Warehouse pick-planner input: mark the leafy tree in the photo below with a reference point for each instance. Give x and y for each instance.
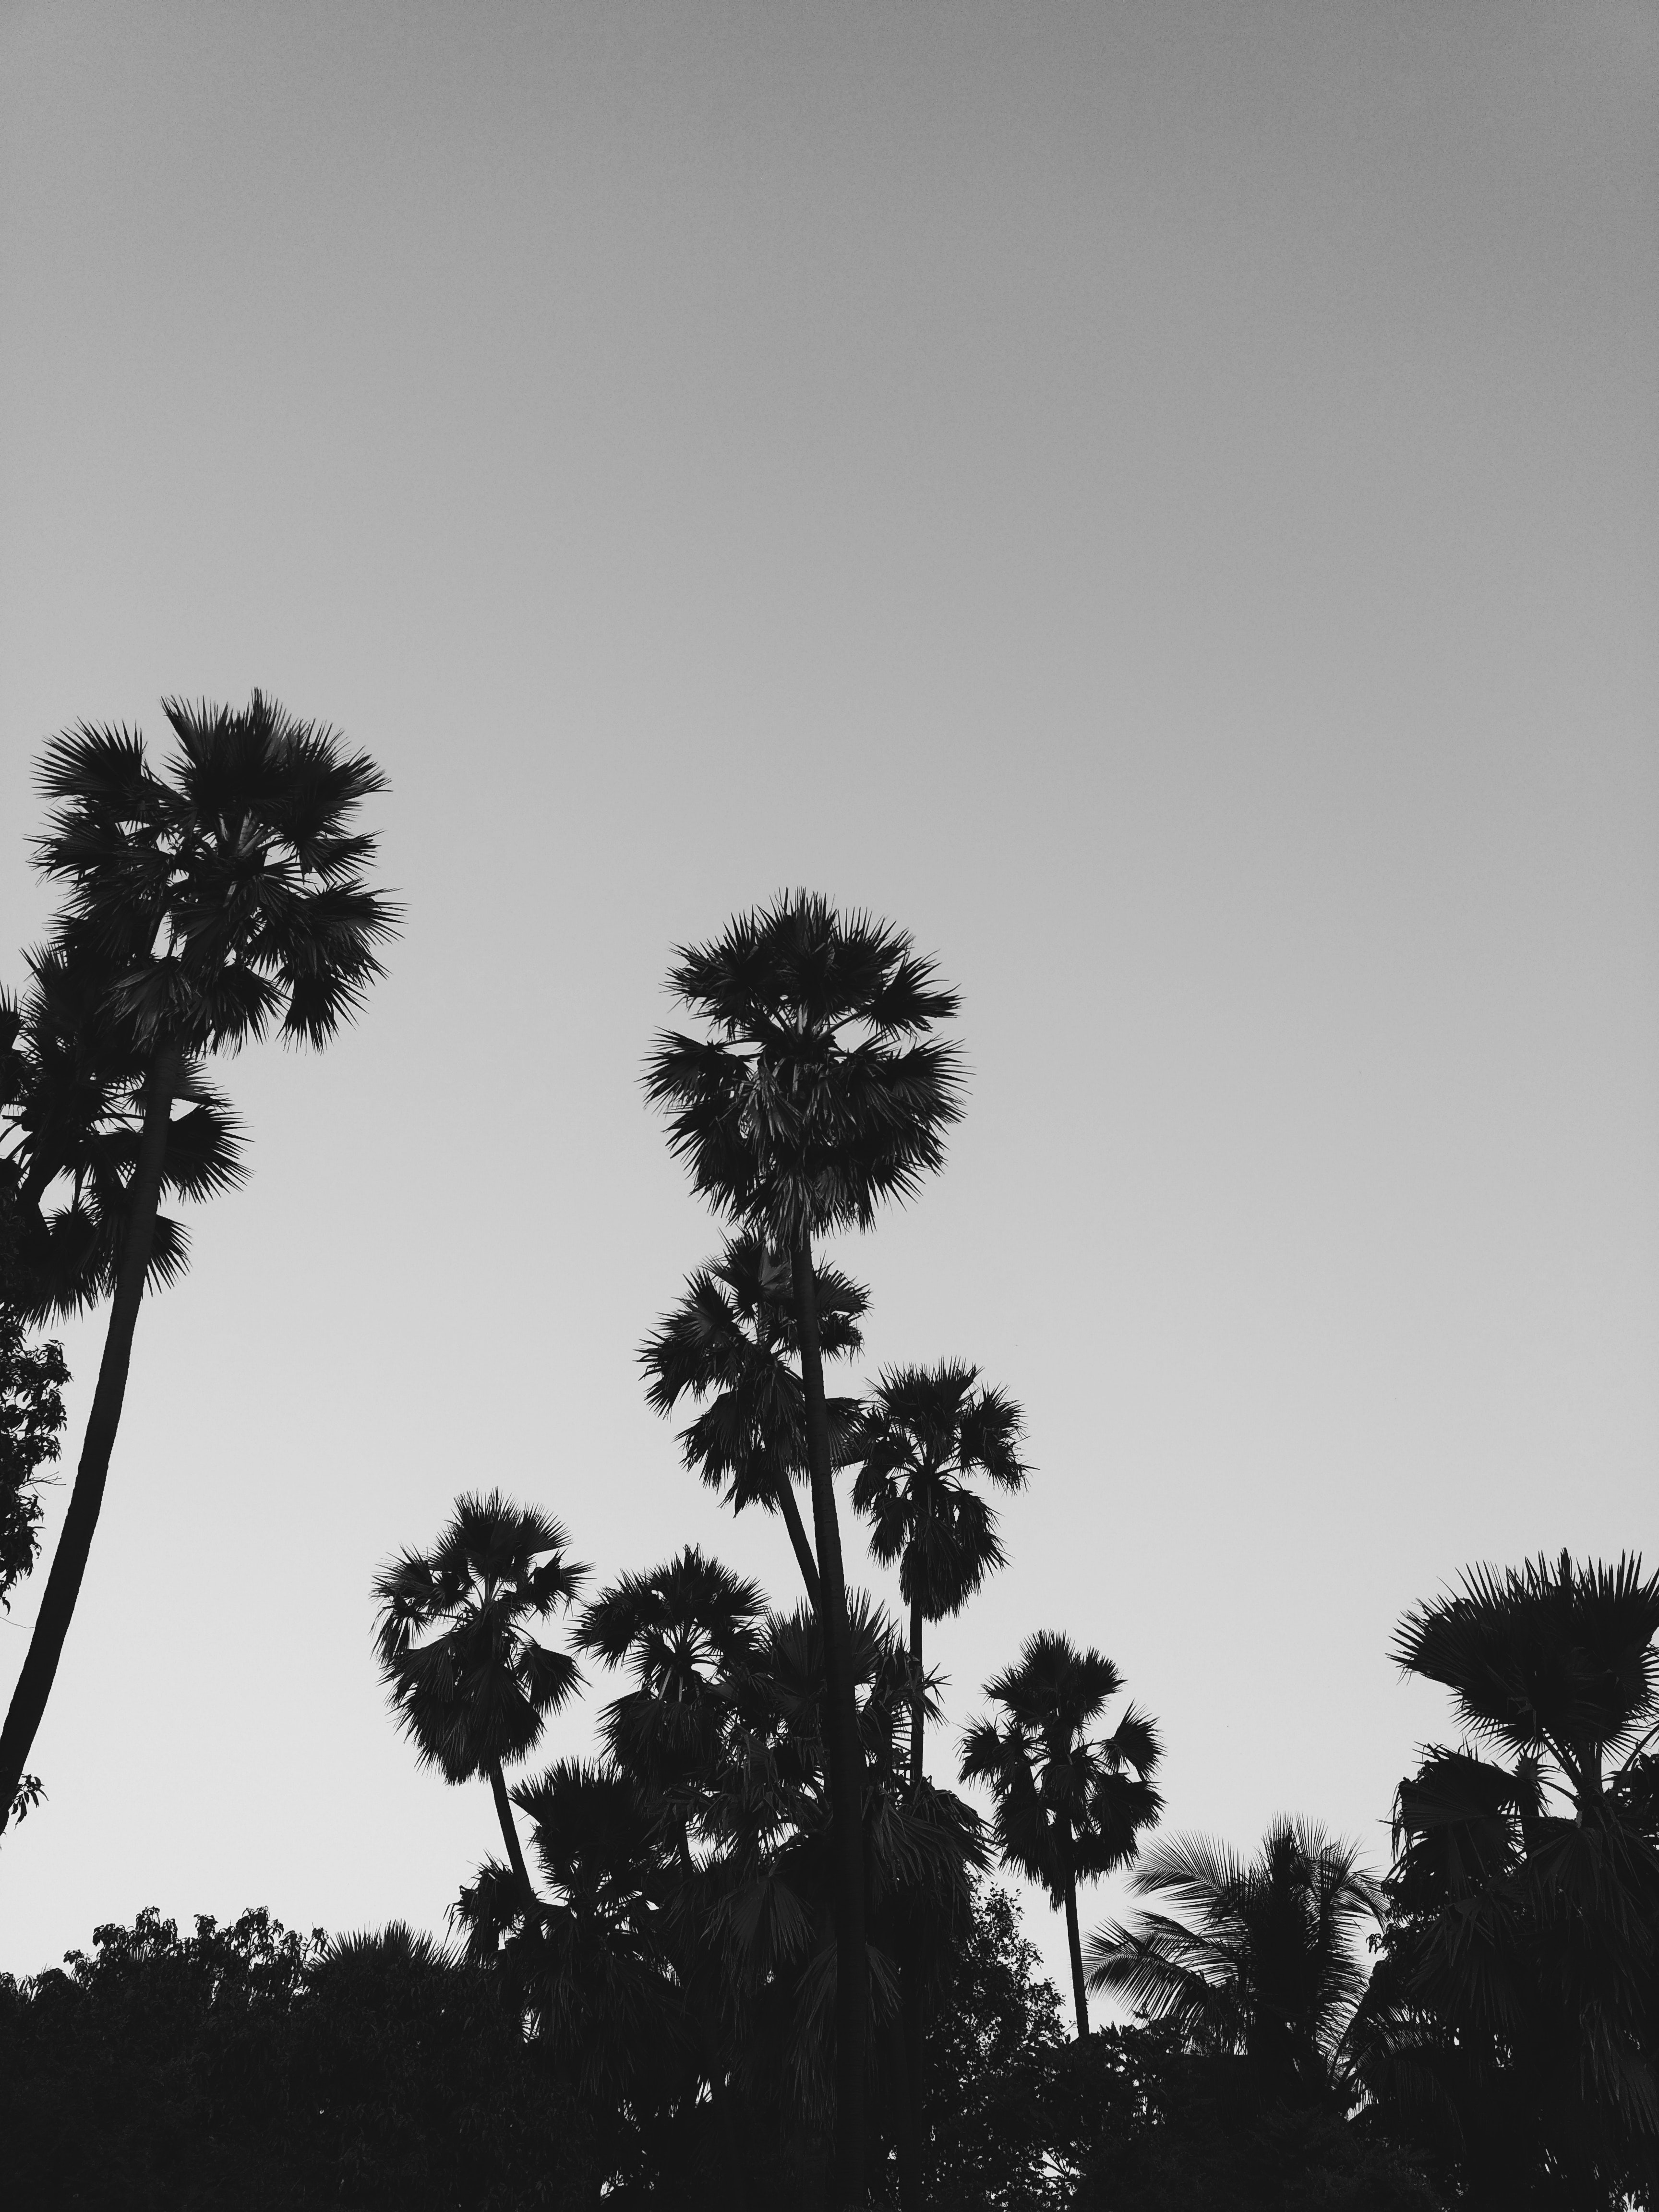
(1514, 2019)
(816, 1090)
(31, 1380)
(468, 1680)
(733, 1343)
(1070, 1805)
(246, 2065)
(1256, 1958)
(201, 905)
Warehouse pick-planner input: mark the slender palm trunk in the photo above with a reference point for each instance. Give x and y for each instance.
(793, 1522)
(510, 1837)
(69, 1564)
(1074, 1944)
(845, 1761)
(918, 1716)
(912, 2026)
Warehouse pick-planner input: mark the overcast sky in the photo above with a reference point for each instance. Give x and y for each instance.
(1159, 500)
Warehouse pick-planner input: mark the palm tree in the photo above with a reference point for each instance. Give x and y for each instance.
(1523, 1954)
(210, 901)
(731, 1342)
(682, 1629)
(924, 1434)
(1256, 1957)
(815, 1092)
(467, 1680)
(1070, 1807)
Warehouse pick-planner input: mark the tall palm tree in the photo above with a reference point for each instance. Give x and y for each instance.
(211, 901)
(1521, 1971)
(816, 1090)
(733, 1343)
(466, 1677)
(1255, 1956)
(1069, 1807)
(924, 1435)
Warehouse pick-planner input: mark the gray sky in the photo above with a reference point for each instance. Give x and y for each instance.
(1157, 499)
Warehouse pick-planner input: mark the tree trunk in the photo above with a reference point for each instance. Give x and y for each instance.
(845, 1762)
(908, 2114)
(69, 1564)
(791, 1512)
(1074, 1944)
(917, 1716)
(510, 1836)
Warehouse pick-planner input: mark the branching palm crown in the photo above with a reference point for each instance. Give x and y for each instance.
(925, 1433)
(468, 1680)
(1525, 1890)
(1259, 1957)
(818, 1090)
(731, 1343)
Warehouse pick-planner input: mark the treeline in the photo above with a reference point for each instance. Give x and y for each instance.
(750, 1953)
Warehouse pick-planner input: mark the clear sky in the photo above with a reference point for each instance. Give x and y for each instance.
(1158, 499)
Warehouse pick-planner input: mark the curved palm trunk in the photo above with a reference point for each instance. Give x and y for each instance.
(1075, 1943)
(845, 1761)
(793, 1522)
(69, 1564)
(510, 1837)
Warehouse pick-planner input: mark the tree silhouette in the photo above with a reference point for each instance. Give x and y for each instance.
(1256, 1957)
(202, 906)
(924, 1434)
(1521, 1968)
(815, 1092)
(467, 1680)
(1070, 1807)
(730, 1343)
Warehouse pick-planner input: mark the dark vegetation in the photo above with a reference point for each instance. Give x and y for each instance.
(751, 1952)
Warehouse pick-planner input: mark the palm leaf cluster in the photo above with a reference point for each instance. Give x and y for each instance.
(817, 1090)
(1517, 2003)
(1261, 1957)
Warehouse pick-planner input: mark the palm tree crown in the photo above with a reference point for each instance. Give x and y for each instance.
(467, 1680)
(1256, 1957)
(1069, 1805)
(818, 1090)
(921, 1437)
(733, 1342)
(227, 893)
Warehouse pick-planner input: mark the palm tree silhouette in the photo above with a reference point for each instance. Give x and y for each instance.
(1524, 1921)
(730, 1343)
(1069, 1807)
(815, 1092)
(209, 903)
(682, 1629)
(924, 1433)
(1257, 1957)
(468, 1681)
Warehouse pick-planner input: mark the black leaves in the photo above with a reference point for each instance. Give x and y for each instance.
(817, 1092)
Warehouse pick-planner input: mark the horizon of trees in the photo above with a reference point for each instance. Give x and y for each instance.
(750, 1949)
